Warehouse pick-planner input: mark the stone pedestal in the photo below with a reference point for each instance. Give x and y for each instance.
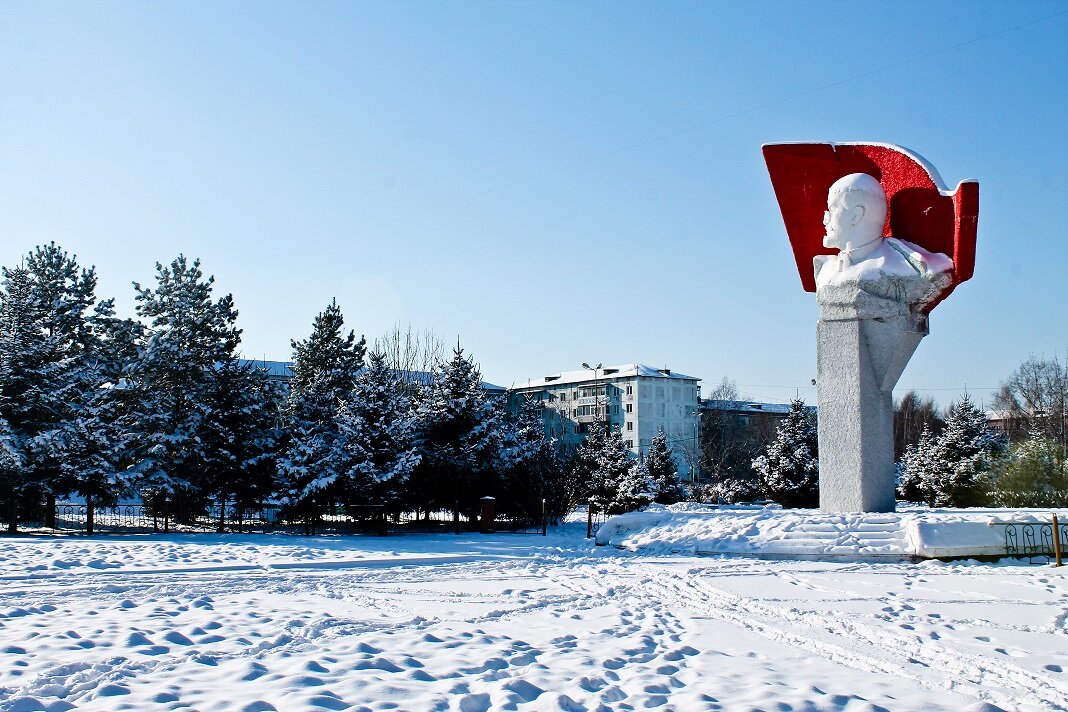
(859, 361)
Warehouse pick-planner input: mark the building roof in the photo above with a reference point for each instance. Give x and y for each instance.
(607, 373)
(276, 369)
(284, 369)
(738, 406)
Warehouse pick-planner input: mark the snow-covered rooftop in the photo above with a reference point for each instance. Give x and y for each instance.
(607, 373)
(284, 369)
(746, 406)
(275, 369)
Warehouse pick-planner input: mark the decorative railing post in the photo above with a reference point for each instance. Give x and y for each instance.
(1056, 542)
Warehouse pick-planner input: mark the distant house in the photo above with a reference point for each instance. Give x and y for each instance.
(635, 399)
(282, 371)
(733, 432)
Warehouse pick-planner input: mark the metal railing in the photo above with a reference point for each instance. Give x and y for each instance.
(140, 518)
(1035, 539)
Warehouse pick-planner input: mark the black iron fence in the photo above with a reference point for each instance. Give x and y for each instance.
(1034, 539)
(141, 518)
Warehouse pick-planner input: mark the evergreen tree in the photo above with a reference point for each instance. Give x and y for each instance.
(79, 448)
(239, 433)
(188, 335)
(26, 373)
(949, 472)
(789, 469)
(635, 487)
(377, 431)
(664, 473)
(534, 467)
(325, 367)
(1034, 473)
(611, 481)
(459, 431)
(918, 465)
(585, 465)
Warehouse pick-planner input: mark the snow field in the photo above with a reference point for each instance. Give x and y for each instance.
(513, 622)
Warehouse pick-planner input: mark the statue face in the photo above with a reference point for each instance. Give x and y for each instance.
(839, 221)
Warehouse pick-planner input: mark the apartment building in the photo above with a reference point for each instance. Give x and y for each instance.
(635, 399)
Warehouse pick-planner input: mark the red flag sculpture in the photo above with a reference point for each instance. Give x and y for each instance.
(920, 208)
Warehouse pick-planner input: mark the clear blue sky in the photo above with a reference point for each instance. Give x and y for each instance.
(552, 182)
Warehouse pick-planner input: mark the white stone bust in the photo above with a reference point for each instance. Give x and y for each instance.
(872, 276)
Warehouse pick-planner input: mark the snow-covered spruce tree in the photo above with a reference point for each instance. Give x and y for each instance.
(789, 468)
(635, 487)
(1033, 473)
(377, 430)
(667, 488)
(188, 334)
(534, 467)
(79, 449)
(919, 463)
(325, 367)
(611, 481)
(460, 440)
(26, 374)
(951, 471)
(239, 435)
(586, 470)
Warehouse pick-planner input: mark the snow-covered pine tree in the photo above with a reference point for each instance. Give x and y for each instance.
(26, 373)
(376, 425)
(611, 484)
(12, 474)
(239, 434)
(789, 468)
(950, 473)
(667, 488)
(635, 487)
(920, 463)
(586, 469)
(325, 367)
(75, 451)
(187, 336)
(460, 436)
(533, 467)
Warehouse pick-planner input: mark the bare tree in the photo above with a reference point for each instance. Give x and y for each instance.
(1034, 400)
(410, 352)
(911, 414)
(726, 390)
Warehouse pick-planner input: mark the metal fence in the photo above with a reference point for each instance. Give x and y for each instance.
(140, 518)
(1034, 539)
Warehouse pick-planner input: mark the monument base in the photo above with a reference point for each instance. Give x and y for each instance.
(858, 363)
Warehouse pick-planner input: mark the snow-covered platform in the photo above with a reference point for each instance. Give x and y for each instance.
(772, 532)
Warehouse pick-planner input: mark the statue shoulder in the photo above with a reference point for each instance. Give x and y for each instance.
(819, 262)
(923, 261)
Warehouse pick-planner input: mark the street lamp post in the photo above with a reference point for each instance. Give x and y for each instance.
(596, 397)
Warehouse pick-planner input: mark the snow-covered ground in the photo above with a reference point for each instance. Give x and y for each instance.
(504, 622)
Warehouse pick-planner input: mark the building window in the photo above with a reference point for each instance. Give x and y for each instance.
(630, 425)
(630, 390)
(629, 444)
(630, 407)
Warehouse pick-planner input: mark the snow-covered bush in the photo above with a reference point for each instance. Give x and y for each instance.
(1033, 473)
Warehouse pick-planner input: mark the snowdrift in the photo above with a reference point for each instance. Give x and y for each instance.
(912, 532)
